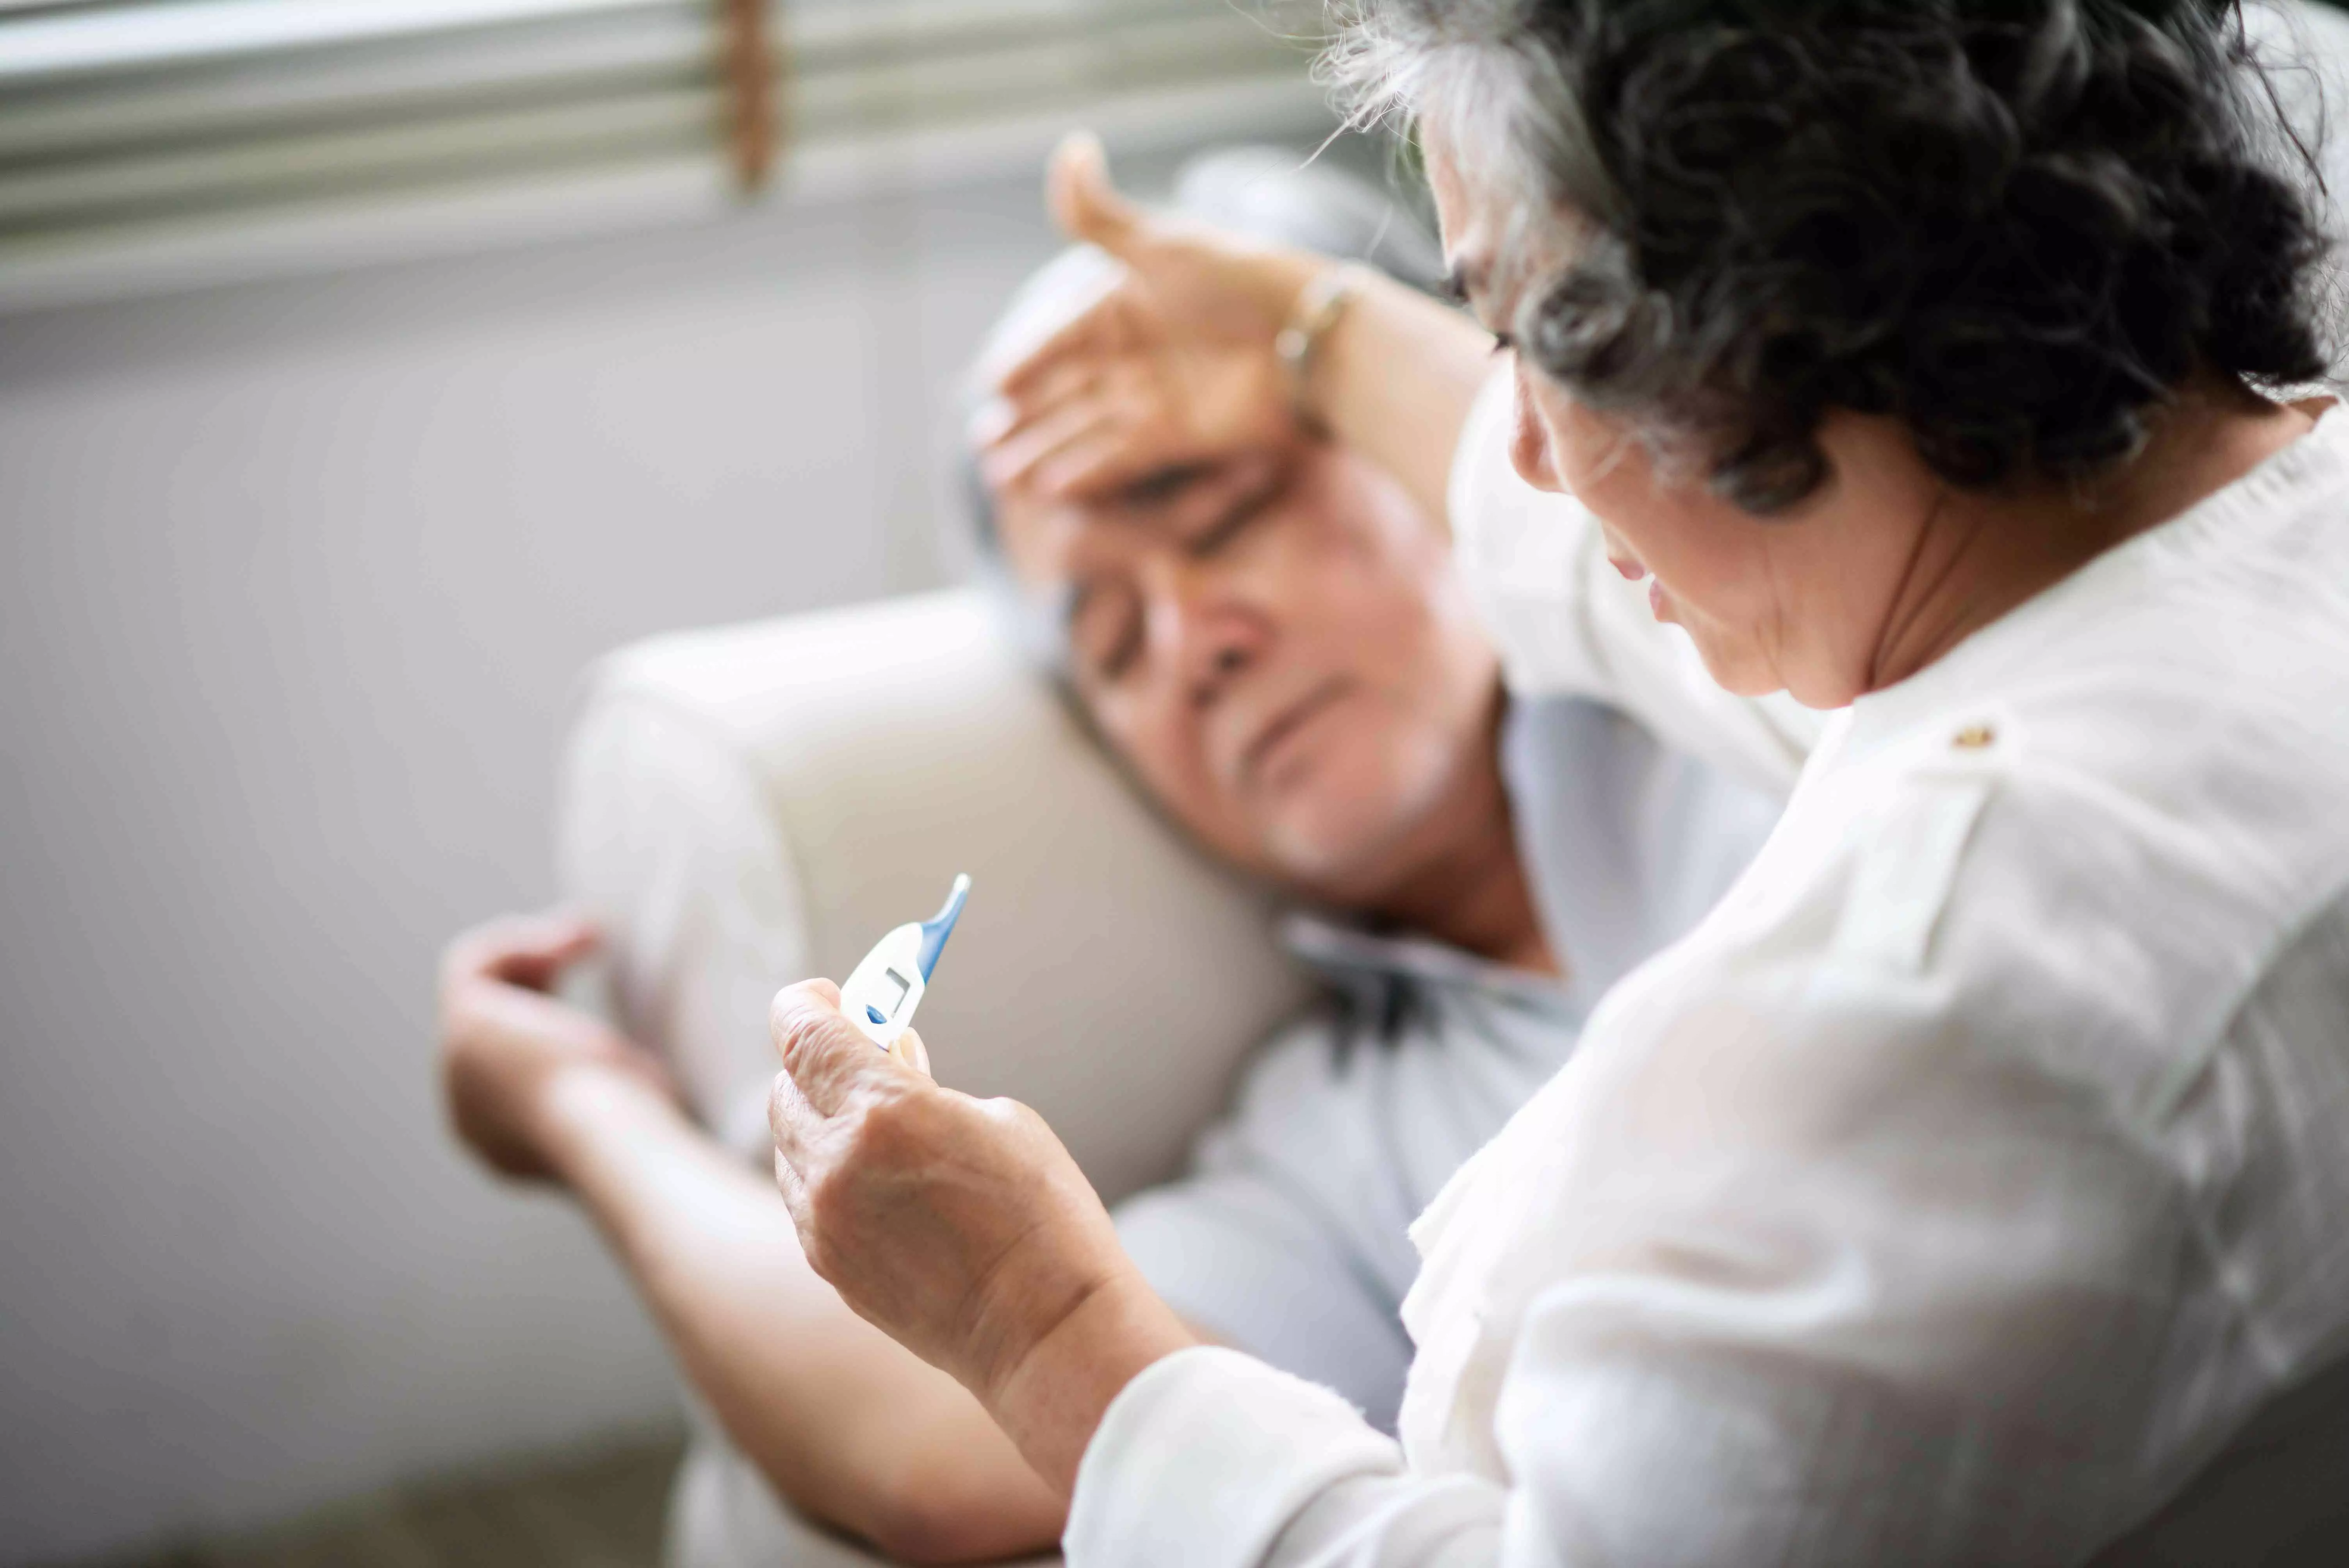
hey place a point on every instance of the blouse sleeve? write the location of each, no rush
(1566, 623)
(1899, 1301)
(1800, 1262)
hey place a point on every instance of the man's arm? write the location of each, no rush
(847, 1424)
(844, 1422)
(1410, 424)
(1179, 361)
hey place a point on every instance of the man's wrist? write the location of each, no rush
(1052, 1402)
(1282, 276)
(1314, 315)
(584, 1105)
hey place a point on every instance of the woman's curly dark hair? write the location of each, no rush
(2016, 225)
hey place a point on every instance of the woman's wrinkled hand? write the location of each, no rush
(1174, 364)
(505, 1042)
(959, 1226)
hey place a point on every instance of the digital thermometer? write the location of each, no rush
(882, 994)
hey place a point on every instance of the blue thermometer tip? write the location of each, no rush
(936, 930)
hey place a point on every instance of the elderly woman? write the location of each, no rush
(1967, 1187)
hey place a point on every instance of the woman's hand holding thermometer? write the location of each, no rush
(959, 1226)
(880, 996)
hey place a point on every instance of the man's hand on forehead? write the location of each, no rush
(1163, 368)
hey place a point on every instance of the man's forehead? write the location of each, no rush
(1025, 511)
(1044, 535)
(1041, 534)
(1156, 498)
(1034, 530)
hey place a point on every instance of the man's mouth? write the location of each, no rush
(1265, 747)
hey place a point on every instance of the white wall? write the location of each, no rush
(294, 581)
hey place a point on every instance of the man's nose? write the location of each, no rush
(1215, 638)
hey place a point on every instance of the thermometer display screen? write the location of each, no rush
(899, 986)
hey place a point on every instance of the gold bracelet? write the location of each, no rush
(1320, 305)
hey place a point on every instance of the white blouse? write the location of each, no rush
(1973, 1180)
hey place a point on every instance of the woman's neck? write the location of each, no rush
(1981, 556)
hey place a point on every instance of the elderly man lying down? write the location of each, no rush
(1272, 643)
